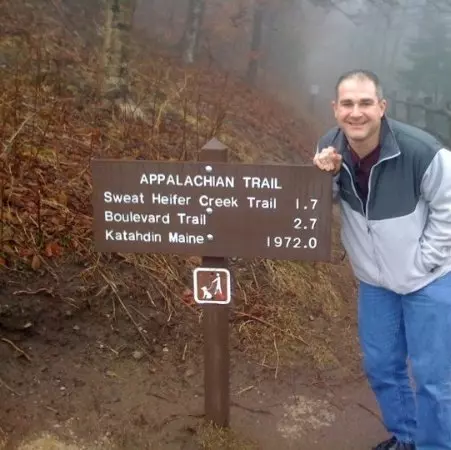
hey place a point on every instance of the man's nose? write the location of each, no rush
(356, 112)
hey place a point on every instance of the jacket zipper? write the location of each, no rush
(365, 211)
(369, 185)
(355, 190)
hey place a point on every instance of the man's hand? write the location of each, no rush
(329, 160)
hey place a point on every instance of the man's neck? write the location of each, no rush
(366, 147)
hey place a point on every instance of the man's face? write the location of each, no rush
(358, 110)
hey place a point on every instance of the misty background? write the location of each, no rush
(308, 43)
(293, 50)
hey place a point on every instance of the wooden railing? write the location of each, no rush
(425, 115)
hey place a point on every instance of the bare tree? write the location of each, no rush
(196, 9)
(256, 41)
(117, 31)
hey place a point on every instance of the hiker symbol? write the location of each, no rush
(211, 285)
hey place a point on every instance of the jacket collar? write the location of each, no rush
(389, 145)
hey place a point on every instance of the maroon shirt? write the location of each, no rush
(362, 168)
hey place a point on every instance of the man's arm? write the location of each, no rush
(436, 190)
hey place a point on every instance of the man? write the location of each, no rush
(393, 182)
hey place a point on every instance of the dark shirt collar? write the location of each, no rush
(369, 159)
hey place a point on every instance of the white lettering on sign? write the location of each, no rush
(269, 203)
(173, 199)
(149, 236)
(228, 202)
(185, 238)
(192, 220)
(291, 242)
(110, 197)
(300, 225)
(110, 216)
(261, 183)
(311, 204)
(187, 180)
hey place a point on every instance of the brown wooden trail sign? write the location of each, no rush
(214, 209)
(217, 209)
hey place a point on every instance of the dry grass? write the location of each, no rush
(48, 442)
(211, 437)
(278, 312)
(208, 437)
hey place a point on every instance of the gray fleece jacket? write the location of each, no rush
(401, 238)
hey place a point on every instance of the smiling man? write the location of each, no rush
(393, 182)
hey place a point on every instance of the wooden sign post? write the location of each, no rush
(216, 328)
(214, 209)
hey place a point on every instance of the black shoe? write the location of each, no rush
(394, 444)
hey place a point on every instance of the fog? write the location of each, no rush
(289, 48)
(307, 44)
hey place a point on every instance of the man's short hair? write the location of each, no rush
(361, 74)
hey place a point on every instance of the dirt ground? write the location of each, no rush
(71, 374)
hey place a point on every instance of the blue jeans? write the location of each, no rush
(417, 327)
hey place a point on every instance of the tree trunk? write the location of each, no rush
(193, 26)
(271, 39)
(394, 53)
(118, 26)
(256, 43)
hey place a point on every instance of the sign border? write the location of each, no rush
(212, 269)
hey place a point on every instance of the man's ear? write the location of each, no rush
(383, 104)
(334, 107)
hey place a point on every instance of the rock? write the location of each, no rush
(137, 354)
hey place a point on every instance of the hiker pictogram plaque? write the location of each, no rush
(212, 209)
(212, 285)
